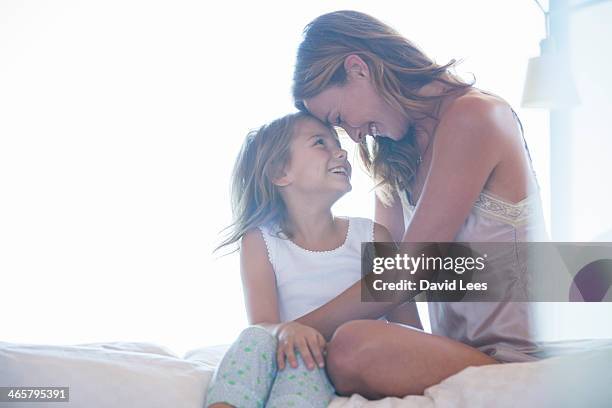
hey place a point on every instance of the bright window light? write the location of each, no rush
(119, 124)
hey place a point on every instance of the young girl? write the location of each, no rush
(295, 257)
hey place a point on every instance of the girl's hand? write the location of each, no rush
(308, 341)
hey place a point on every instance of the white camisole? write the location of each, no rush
(306, 280)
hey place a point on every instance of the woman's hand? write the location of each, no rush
(308, 341)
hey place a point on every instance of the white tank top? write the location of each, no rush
(306, 280)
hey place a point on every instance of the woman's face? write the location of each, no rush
(358, 108)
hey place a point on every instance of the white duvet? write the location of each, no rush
(138, 375)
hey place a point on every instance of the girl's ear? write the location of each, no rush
(282, 179)
(356, 67)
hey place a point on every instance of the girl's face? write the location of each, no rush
(318, 163)
(358, 107)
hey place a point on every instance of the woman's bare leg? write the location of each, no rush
(378, 359)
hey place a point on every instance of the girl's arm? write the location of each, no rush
(258, 283)
(467, 148)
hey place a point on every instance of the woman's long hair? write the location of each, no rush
(255, 199)
(398, 70)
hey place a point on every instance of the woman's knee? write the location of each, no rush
(345, 358)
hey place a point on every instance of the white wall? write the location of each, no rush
(590, 185)
(591, 58)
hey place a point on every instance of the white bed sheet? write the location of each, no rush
(139, 375)
(105, 375)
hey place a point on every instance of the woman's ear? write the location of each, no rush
(356, 67)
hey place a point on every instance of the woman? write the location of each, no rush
(451, 164)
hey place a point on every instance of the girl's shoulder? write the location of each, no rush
(254, 244)
(267, 239)
(271, 231)
(253, 238)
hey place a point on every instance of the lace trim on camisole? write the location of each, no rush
(490, 205)
(511, 213)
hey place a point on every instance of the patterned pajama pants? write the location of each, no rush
(247, 377)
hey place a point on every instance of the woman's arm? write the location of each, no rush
(391, 217)
(407, 314)
(467, 148)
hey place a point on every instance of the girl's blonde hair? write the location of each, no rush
(255, 199)
(398, 70)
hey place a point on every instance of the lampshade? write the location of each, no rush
(549, 83)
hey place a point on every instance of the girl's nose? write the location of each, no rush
(341, 154)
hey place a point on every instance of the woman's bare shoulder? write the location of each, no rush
(480, 119)
(478, 110)
(472, 104)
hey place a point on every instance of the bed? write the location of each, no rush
(146, 375)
